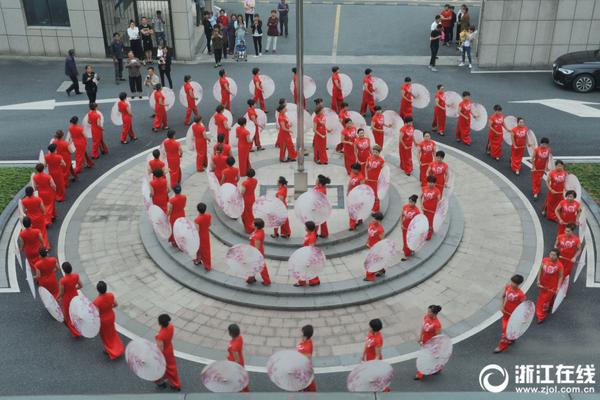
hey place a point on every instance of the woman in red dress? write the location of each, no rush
(159, 190)
(430, 197)
(218, 162)
(463, 127)
(374, 166)
(430, 327)
(439, 112)
(310, 239)
(46, 188)
(30, 241)
(202, 222)
(68, 286)
(426, 150)
(337, 94)
(176, 209)
(253, 116)
(407, 139)
(539, 165)
(244, 145)
(556, 187)
(511, 298)
(174, 153)
(56, 167)
(378, 125)
(105, 302)
(164, 341)
(348, 136)
(63, 150)
(126, 117)
(201, 143)
(96, 123)
(258, 89)
(375, 233)
(496, 133)
(305, 347)
(320, 137)
(374, 342)
(248, 189)
(257, 240)
(407, 98)
(45, 272)
(356, 178)
(225, 90)
(160, 109)
(519, 143)
(362, 149)
(156, 163)
(284, 136)
(409, 211)
(282, 195)
(321, 186)
(231, 174)
(34, 208)
(80, 142)
(235, 349)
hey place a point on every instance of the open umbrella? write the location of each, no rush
(381, 256)
(290, 370)
(370, 376)
(224, 376)
(145, 359)
(84, 316)
(244, 260)
(312, 206)
(186, 236)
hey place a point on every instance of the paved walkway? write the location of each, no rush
(497, 241)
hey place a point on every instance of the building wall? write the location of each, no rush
(533, 33)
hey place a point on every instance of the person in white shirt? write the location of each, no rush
(249, 11)
(135, 42)
(436, 22)
(467, 45)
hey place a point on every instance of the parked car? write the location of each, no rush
(579, 70)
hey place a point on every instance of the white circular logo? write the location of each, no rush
(491, 370)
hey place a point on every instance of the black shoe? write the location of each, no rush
(162, 385)
(68, 93)
(251, 280)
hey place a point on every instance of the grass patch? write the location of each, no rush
(11, 181)
(589, 176)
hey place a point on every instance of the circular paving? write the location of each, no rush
(103, 237)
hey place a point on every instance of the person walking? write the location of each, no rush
(272, 32)
(105, 302)
(164, 341)
(249, 11)
(217, 45)
(117, 51)
(69, 285)
(283, 8)
(257, 35)
(434, 45)
(158, 25)
(71, 72)
(134, 66)
(89, 80)
(135, 42)
(164, 66)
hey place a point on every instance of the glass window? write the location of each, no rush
(46, 12)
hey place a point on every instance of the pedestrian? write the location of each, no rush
(248, 190)
(174, 153)
(406, 98)
(160, 109)
(446, 15)
(63, 150)
(320, 137)
(217, 45)
(191, 98)
(222, 124)
(117, 51)
(202, 223)
(375, 233)
(253, 116)
(567, 212)
(555, 183)
(235, 349)
(231, 174)
(337, 96)
(69, 286)
(407, 138)
(310, 239)
(463, 127)
(56, 165)
(257, 240)
(105, 303)
(30, 241)
(258, 88)
(549, 279)
(34, 209)
(127, 118)
(272, 31)
(374, 342)
(430, 197)
(80, 142)
(231, 28)
(321, 186)
(356, 178)
(281, 194)
(409, 211)
(519, 140)
(45, 270)
(496, 133)
(176, 209)
(208, 31)
(249, 11)
(158, 26)
(146, 33)
(373, 168)
(90, 80)
(283, 8)
(362, 149)
(244, 138)
(200, 143)
(434, 46)
(305, 347)
(97, 124)
(223, 22)
(159, 189)
(368, 95)
(285, 136)
(135, 41)
(200, 5)
(511, 298)
(426, 149)
(430, 327)
(71, 72)
(467, 45)
(257, 35)
(164, 341)
(164, 66)
(134, 66)
(539, 163)
(439, 112)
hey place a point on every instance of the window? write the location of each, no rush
(46, 12)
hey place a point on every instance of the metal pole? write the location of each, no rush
(300, 81)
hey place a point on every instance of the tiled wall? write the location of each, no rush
(533, 33)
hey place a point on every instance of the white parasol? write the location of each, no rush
(520, 319)
(290, 370)
(421, 96)
(84, 316)
(232, 201)
(271, 210)
(381, 256)
(434, 355)
(381, 89)
(561, 294)
(198, 92)
(306, 263)
(479, 117)
(441, 212)
(416, 235)
(224, 376)
(268, 86)
(186, 236)
(145, 359)
(51, 304)
(244, 260)
(169, 98)
(346, 83)
(360, 201)
(370, 376)
(452, 101)
(160, 222)
(312, 206)
(217, 89)
(310, 87)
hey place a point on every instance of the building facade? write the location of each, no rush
(52, 27)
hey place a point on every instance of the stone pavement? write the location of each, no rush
(103, 242)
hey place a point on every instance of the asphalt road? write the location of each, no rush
(38, 355)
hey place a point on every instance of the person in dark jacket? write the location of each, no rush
(89, 80)
(117, 51)
(164, 66)
(208, 31)
(231, 33)
(71, 72)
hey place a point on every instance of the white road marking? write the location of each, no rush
(516, 71)
(13, 283)
(574, 107)
(336, 31)
(25, 162)
(52, 104)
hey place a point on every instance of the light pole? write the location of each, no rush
(300, 176)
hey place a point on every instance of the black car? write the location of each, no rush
(579, 70)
